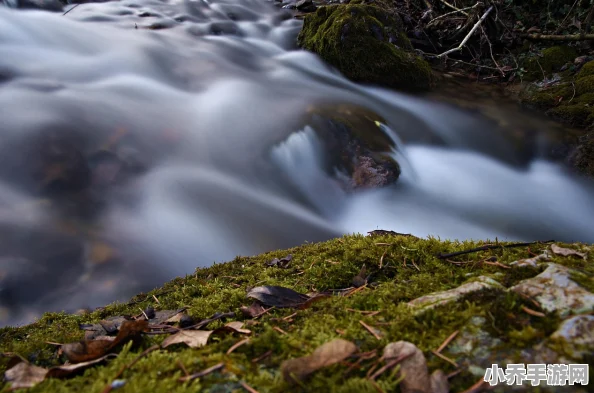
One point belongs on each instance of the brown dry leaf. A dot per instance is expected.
(87, 350)
(237, 326)
(252, 310)
(175, 318)
(25, 375)
(360, 279)
(69, 369)
(566, 252)
(413, 366)
(277, 296)
(192, 338)
(326, 355)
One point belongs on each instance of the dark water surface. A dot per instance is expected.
(131, 155)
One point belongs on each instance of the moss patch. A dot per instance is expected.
(366, 44)
(551, 60)
(410, 270)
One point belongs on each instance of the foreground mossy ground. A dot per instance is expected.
(410, 269)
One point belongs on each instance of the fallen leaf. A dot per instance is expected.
(192, 338)
(69, 369)
(25, 375)
(326, 355)
(252, 310)
(283, 263)
(359, 280)
(87, 350)
(237, 327)
(566, 252)
(531, 261)
(275, 296)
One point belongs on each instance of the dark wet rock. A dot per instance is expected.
(358, 149)
(367, 44)
(305, 6)
(582, 157)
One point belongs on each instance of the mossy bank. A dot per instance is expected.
(367, 44)
(495, 324)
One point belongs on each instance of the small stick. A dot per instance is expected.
(454, 8)
(447, 341)
(280, 330)
(470, 33)
(447, 359)
(477, 387)
(414, 264)
(370, 330)
(71, 9)
(109, 387)
(389, 365)
(532, 312)
(157, 300)
(237, 345)
(263, 356)
(381, 264)
(490, 247)
(181, 365)
(368, 313)
(247, 387)
(377, 387)
(554, 37)
(289, 316)
(452, 12)
(202, 373)
(362, 287)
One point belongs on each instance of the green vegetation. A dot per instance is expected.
(409, 269)
(551, 60)
(366, 44)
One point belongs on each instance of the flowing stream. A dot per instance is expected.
(214, 101)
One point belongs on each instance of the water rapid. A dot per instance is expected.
(213, 101)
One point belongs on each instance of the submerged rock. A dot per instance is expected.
(366, 44)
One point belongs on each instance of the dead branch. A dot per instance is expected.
(454, 8)
(490, 247)
(453, 12)
(470, 33)
(555, 37)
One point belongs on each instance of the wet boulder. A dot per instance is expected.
(366, 44)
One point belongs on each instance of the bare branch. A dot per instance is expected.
(470, 33)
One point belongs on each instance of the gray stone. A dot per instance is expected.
(414, 368)
(445, 297)
(554, 290)
(575, 336)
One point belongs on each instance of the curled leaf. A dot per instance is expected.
(567, 252)
(192, 338)
(275, 296)
(326, 355)
(25, 375)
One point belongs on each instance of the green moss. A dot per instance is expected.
(315, 267)
(574, 114)
(550, 60)
(587, 70)
(366, 44)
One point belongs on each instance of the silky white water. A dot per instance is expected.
(215, 106)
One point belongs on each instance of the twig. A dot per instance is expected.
(237, 345)
(202, 373)
(477, 387)
(381, 264)
(247, 387)
(573, 96)
(447, 341)
(109, 387)
(532, 312)
(554, 37)
(470, 33)
(390, 364)
(263, 356)
(454, 8)
(71, 9)
(558, 29)
(490, 247)
(280, 330)
(181, 365)
(452, 12)
(370, 330)
(447, 359)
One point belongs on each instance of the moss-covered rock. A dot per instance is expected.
(551, 60)
(495, 326)
(367, 44)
